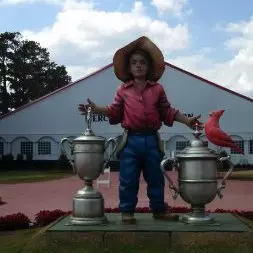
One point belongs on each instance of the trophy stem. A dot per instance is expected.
(198, 211)
(88, 183)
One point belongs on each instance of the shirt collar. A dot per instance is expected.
(131, 83)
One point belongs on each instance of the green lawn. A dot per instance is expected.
(246, 175)
(26, 176)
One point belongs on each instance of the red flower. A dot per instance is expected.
(45, 217)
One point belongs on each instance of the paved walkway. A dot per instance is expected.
(30, 198)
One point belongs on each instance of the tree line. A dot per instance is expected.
(26, 72)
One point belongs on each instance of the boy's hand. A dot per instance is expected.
(191, 122)
(83, 108)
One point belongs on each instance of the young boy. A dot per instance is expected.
(141, 105)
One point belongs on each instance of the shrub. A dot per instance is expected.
(14, 221)
(20, 157)
(45, 217)
(8, 157)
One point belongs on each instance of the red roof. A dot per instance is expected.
(110, 65)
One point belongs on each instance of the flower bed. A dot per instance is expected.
(14, 221)
(45, 217)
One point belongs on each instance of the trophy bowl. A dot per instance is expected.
(88, 155)
(197, 179)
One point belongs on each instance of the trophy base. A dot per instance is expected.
(88, 207)
(190, 219)
(88, 221)
(198, 216)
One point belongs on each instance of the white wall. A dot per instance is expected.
(58, 116)
(192, 95)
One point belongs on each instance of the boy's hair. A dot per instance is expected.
(146, 55)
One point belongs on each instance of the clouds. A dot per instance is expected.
(13, 2)
(235, 73)
(176, 7)
(84, 37)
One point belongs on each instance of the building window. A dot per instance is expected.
(44, 148)
(1, 148)
(240, 144)
(180, 145)
(251, 147)
(26, 148)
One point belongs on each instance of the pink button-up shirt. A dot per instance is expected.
(145, 110)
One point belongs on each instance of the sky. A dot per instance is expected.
(212, 39)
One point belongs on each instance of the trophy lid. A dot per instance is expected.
(88, 136)
(197, 148)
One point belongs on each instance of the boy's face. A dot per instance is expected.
(138, 66)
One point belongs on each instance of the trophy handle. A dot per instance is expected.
(113, 140)
(171, 184)
(69, 156)
(223, 181)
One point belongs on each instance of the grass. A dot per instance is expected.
(248, 173)
(240, 175)
(27, 176)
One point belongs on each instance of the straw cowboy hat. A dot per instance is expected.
(143, 43)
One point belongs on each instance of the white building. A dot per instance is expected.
(37, 128)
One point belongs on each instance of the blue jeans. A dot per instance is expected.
(141, 153)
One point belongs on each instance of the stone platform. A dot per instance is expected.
(228, 230)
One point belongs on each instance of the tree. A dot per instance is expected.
(8, 45)
(27, 72)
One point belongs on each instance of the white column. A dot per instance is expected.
(34, 150)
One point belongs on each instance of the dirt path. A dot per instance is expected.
(30, 198)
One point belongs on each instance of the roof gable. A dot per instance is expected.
(111, 65)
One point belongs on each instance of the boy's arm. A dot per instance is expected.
(170, 114)
(113, 111)
(181, 118)
(95, 108)
(116, 109)
(103, 110)
(167, 113)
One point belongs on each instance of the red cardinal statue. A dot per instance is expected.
(215, 135)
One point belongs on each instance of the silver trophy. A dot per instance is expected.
(197, 179)
(87, 160)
